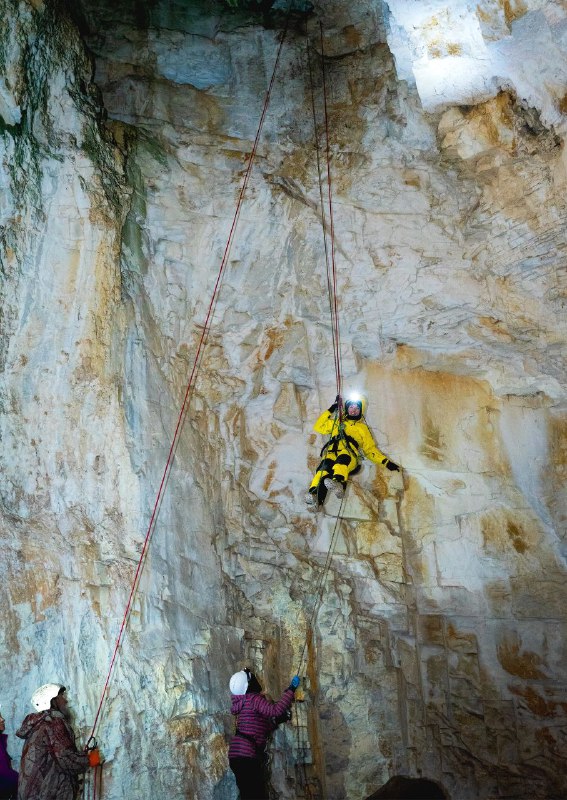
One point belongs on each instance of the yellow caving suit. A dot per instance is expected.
(340, 454)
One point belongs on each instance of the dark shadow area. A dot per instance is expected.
(337, 748)
(400, 788)
(95, 17)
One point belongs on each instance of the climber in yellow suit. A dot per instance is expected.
(349, 434)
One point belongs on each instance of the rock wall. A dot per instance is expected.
(439, 647)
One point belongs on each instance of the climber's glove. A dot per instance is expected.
(335, 405)
(390, 465)
(285, 716)
(294, 683)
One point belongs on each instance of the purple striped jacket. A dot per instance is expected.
(254, 717)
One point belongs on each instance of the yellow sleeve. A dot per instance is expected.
(326, 423)
(368, 446)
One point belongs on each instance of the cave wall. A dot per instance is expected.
(439, 647)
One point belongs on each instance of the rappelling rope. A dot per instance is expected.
(328, 268)
(301, 766)
(191, 382)
(302, 738)
(90, 783)
(332, 290)
(97, 772)
(331, 273)
(333, 281)
(328, 229)
(321, 583)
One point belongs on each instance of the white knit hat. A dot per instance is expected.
(239, 682)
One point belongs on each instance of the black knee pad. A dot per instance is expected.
(326, 465)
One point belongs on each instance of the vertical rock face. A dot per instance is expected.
(434, 641)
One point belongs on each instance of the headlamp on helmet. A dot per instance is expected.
(359, 400)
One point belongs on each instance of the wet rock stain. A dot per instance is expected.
(522, 663)
(513, 10)
(269, 476)
(537, 704)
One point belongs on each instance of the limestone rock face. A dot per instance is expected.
(433, 641)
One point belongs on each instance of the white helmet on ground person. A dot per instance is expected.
(239, 682)
(42, 697)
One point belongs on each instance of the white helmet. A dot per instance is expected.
(42, 697)
(239, 682)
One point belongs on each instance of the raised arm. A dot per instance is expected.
(368, 446)
(267, 709)
(327, 423)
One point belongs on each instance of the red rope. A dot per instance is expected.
(89, 791)
(335, 307)
(190, 386)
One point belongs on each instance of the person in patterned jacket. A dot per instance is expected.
(8, 776)
(256, 718)
(51, 764)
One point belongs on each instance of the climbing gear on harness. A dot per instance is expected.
(300, 693)
(94, 757)
(42, 697)
(96, 763)
(332, 445)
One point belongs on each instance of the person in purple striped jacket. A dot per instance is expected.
(256, 718)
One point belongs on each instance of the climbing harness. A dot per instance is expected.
(332, 444)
